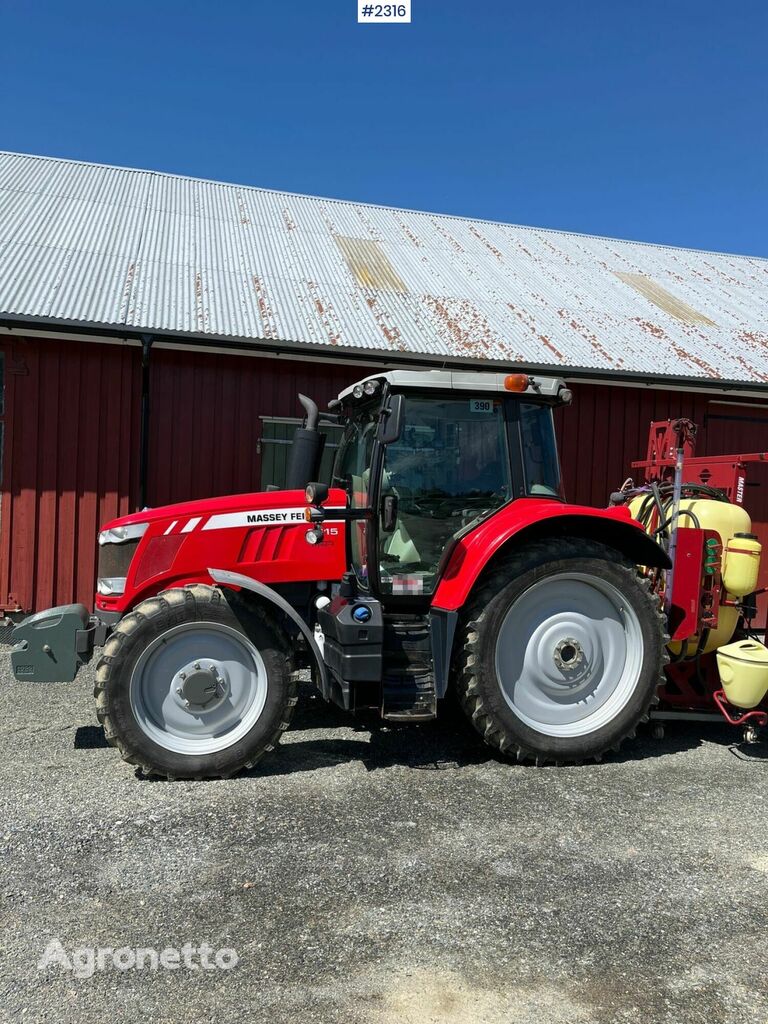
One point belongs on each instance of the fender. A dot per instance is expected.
(530, 519)
(236, 579)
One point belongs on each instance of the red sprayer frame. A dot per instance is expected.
(693, 682)
(726, 473)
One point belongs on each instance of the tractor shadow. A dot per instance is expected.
(90, 737)
(448, 743)
(444, 744)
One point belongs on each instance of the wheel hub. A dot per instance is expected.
(568, 654)
(201, 687)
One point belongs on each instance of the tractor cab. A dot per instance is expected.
(425, 457)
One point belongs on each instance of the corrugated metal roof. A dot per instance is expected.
(113, 247)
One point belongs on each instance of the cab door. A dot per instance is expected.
(353, 472)
(449, 468)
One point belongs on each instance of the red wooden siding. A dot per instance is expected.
(71, 455)
(72, 415)
(71, 448)
(607, 427)
(205, 410)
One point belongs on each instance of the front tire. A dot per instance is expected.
(193, 684)
(563, 651)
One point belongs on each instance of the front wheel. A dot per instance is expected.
(563, 650)
(193, 684)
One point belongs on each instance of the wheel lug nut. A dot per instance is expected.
(183, 675)
(179, 690)
(197, 664)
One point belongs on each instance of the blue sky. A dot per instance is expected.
(640, 120)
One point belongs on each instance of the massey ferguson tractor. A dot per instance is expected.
(441, 554)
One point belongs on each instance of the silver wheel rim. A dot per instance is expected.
(198, 688)
(569, 654)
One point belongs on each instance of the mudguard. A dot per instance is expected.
(529, 519)
(237, 579)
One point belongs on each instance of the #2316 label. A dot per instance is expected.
(384, 13)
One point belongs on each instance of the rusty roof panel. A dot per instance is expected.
(110, 246)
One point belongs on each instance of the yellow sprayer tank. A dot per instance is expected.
(743, 668)
(732, 523)
(741, 564)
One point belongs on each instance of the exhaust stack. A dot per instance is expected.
(306, 450)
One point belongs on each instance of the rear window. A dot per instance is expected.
(541, 465)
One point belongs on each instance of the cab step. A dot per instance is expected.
(408, 679)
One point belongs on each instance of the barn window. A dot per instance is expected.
(275, 443)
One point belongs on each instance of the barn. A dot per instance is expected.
(155, 330)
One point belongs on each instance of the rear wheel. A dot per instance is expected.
(193, 684)
(563, 651)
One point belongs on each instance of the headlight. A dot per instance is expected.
(117, 534)
(111, 586)
(371, 387)
(357, 391)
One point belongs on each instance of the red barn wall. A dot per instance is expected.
(205, 412)
(71, 444)
(70, 462)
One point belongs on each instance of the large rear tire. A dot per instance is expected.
(562, 652)
(194, 684)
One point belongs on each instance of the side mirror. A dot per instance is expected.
(394, 417)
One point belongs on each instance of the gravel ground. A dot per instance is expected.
(383, 876)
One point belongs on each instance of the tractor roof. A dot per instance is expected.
(461, 380)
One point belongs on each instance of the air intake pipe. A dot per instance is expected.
(306, 450)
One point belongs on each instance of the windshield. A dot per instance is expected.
(449, 468)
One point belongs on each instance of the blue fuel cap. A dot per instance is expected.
(361, 613)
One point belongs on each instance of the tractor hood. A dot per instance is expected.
(263, 535)
(205, 508)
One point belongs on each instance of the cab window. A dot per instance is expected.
(541, 466)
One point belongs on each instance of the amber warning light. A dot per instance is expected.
(516, 382)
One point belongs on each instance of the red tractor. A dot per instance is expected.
(442, 554)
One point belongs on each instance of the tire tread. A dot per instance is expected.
(467, 658)
(170, 608)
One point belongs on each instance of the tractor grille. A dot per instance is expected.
(114, 559)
